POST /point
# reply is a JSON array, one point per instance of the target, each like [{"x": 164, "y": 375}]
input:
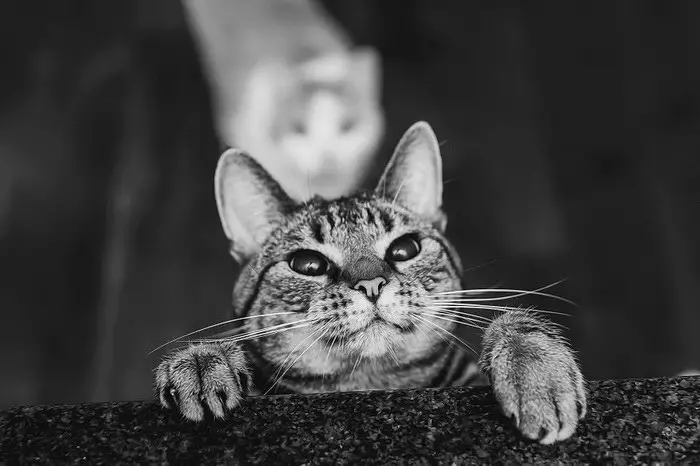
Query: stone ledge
[{"x": 629, "y": 421}]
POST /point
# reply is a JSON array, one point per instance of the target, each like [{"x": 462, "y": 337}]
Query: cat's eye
[
  {"x": 403, "y": 248},
  {"x": 298, "y": 127},
  {"x": 308, "y": 262},
  {"x": 348, "y": 124}
]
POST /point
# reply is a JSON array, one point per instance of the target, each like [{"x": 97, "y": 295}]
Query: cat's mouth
[{"x": 377, "y": 323}]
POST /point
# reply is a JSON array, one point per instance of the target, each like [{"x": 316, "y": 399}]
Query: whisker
[
  {"x": 217, "y": 325},
  {"x": 449, "y": 333},
  {"x": 412, "y": 280},
  {"x": 456, "y": 306},
  {"x": 255, "y": 269},
  {"x": 391, "y": 350},
  {"x": 279, "y": 379},
  {"x": 334, "y": 335},
  {"x": 289, "y": 355},
  {"x": 485, "y": 320},
  {"x": 460, "y": 313},
  {"x": 279, "y": 370},
  {"x": 236, "y": 331},
  {"x": 464, "y": 319},
  {"x": 501, "y": 298},
  {"x": 478, "y": 266},
  {"x": 450, "y": 342},
  {"x": 396, "y": 196},
  {"x": 456, "y": 320},
  {"x": 536, "y": 292},
  {"x": 267, "y": 331},
  {"x": 259, "y": 333},
  {"x": 357, "y": 363},
  {"x": 427, "y": 337}
]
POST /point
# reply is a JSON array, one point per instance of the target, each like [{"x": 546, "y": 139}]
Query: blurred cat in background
[{"x": 288, "y": 86}]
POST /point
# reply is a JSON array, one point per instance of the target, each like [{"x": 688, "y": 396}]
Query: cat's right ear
[
  {"x": 413, "y": 176},
  {"x": 251, "y": 203}
]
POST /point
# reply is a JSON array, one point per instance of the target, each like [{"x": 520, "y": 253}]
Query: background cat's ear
[
  {"x": 413, "y": 177},
  {"x": 366, "y": 71},
  {"x": 251, "y": 204}
]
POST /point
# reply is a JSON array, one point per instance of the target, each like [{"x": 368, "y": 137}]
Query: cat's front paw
[
  {"x": 535, "y": 378},
  {"x": 210, "y": 377}
]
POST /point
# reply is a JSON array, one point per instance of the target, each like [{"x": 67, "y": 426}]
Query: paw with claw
[
  {"x": 211, "y": 377},
  {"x": 535, "y": 377}
]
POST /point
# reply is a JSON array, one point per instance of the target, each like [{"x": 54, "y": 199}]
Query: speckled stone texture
[{"x": 629, "y": 421}]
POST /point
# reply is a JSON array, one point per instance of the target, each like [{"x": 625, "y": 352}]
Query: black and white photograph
[{"x": 349, "y": 232}]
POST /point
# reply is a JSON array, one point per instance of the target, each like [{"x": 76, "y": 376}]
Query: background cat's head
[
  {"x": 317, "y": 123},
  {"x": 356, "y": 274}
]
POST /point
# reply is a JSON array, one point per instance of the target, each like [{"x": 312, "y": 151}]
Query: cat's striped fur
[
  {"x": 365, "y": 225},
  {"x": 354, "y": 294}
]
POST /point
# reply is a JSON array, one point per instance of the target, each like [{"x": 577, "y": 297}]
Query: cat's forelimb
[
  {"x": 212, "y": 376},
  {"x": 535, "y": 376}
]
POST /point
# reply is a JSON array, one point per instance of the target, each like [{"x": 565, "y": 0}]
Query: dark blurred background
[{"x": 571, "y": 141}]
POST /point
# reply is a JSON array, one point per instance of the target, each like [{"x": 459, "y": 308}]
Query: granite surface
[{"x": 629, "y": 421}]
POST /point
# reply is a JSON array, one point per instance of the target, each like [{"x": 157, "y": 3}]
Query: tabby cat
[
  {"x": 362, "y": 293},
  {"x": 290, "y": 89}
]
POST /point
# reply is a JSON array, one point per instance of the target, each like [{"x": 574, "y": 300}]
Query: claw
[
  {"x": 549, "y": 438},
  {"x": 514, "y": 419},
  {"x": 192, "y": 411},
  {"x": 566, "y": 432},
  {"x": 223, "y": 398},
  {"x": 168, "y": 397},
  {"x": 214, "y": 406},
  {"x": 203, "y": 381}
]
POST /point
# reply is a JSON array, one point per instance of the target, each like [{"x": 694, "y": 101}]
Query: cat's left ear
[
  {"x": 413, "y": 177},
  {"x": 251, "y": 203}
]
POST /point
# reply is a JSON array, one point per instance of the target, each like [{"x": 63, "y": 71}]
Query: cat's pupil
[
  {"x": 307, "y": 262},
  {"x": 298, "y": 127},
  {"x": 348, "y": 124},
  {"x": 403, "y": 249}
]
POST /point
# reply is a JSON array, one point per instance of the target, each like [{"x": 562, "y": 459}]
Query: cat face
[
  {"x": 353, "y": 275},
  {"x": 330, "y": 133},
  {"x": 325, "y": 123}
]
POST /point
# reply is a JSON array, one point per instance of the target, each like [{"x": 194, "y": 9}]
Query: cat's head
[
  {"x": 321, "y": 122},
  {"x": 356, "y": 273}
]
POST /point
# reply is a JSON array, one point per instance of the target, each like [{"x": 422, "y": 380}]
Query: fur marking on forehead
[{"x": 347, "y": 222}]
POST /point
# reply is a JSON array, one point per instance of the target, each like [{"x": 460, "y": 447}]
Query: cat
[
  {"x": 350, "y": 294},
  {"x": 291, "y": 90}
]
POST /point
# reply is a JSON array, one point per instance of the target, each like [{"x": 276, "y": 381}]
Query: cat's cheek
[
  {"x": 282, "y": 289},
  {"x": 431, "y": 248},
  {"x": 410, "y": 268}
]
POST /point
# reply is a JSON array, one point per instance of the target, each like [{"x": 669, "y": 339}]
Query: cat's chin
[{"x": 377, "y": 340}]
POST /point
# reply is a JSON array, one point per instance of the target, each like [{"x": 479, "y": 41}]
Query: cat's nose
[{"x": 371, "y": 288}]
